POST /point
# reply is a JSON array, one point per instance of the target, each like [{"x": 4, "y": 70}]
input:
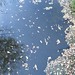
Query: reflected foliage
[
  {"x": 10, "y": 54},
  {"x": 72, "y": 5}
]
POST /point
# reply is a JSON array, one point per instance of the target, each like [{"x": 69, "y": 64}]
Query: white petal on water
[
  {"x": 30, "y": 26},
  {"x": 29, "y": 20},
  {"x": 52, "y": 28},
  {"x": 33, "y": 47},
  {"x": 20, "y": 41},
  {"x": 21, "y": 1},
  {"x": 27, "y": 58},
  {"x": 36, "y": 18},
  {"x": 23, "y": 18},
  {"x": 22, "y": 34},
  {"x": 35, "y": 67},
  {"x": 8, "y": 52},
  {"x": 27, "y": 45},
  {"x": 46, "y": 42},
  {"x": 12, "y": 16},
  {"x": 41, "y": 41},
  {"x": 21, "y": 56},
  {"x": 33, "y": 22},
  {"x": 49, "y": 58},
  {"x": 48, "y": 8},
  {"x": 48, "y": 38},
  {"x": 38, "y": 31},
  {"x": 25, "y": 65},
  {"x": 58, "y": 41},
  {"x": 35, "y": 51},
  {"x": 18, "y": 19},
  {"x": 37, "y": 47},
  {"x": 9, "y": 68},
  {"x": 39, "y": 27},
  {"x": 17, "y": 72},
  {"x": 36, "y": 1},
  {"x": 59, "y": 27},
  {"x": 31, "y": 51}
]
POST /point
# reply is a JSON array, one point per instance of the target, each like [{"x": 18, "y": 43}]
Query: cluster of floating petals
[{"x": 65, "y": 64}]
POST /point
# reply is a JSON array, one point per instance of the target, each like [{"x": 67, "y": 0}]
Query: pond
[{"x": 40, "y": 27}]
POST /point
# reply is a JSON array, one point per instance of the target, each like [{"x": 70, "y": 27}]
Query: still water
[{"x": 40, "y": 30}]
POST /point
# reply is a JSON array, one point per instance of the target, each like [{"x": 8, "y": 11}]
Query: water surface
[{"x": 38, "y": 29}]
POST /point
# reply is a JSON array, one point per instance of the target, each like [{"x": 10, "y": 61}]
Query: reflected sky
[{"x": 40, "y": 30}]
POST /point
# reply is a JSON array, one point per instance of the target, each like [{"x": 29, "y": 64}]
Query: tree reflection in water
[{"x": 11, "y": 54}]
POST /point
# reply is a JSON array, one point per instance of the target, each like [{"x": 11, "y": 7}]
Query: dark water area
[{"x": 38, "y": 30}]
